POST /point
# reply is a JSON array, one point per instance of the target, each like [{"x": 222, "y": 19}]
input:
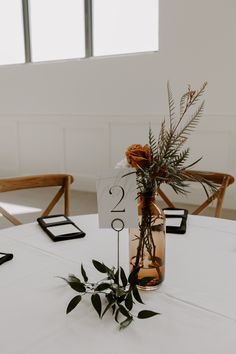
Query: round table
[{"x": 196, "y": 299}]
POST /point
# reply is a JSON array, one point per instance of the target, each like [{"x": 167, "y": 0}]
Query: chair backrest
[
  {"x": 38, "y": 181},
  {"x": 220, "y": 180}
]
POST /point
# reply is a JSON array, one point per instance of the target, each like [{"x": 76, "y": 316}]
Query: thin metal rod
[
  {"x": 26, "y": 25},
  {"x": 88, "y": 22},
  {"x": 118, "y": 229},
  {"x": 118, "y": 251}
]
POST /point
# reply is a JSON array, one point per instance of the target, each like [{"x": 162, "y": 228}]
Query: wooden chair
[
  {"x": 220, "y": 180},
  {"x": 29, "y": 182}
]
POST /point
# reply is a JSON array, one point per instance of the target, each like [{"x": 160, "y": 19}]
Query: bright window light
[
  {"x": 125, "y": 26},
  {"x": 57, "y": 29},
  {"x": 15, "y": 209},
  {"x": 11, "y": 32}
]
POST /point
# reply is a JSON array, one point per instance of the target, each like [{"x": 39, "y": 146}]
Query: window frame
[{"x": 88, "y": 23}]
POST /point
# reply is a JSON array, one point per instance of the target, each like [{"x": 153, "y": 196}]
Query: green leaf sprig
[{"x": 115, "y": 292}]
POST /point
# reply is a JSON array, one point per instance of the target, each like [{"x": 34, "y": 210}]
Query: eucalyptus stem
[{"x": 108, "y": 294}]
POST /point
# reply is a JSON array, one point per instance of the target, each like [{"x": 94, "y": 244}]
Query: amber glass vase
[{"x": 147, "y": 243}]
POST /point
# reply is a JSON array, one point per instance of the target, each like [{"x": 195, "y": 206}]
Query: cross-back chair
[
  {"x": 221, "y": 182},
  {"x": 63, "y": 181}
]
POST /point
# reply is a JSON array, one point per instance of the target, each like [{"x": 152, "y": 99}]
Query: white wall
[{"x": 80, "y": 115}]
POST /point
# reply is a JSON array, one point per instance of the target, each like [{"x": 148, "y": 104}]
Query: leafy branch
[
  {"x": 168, "y": 162},
  {"x": 115, "y": 292}
]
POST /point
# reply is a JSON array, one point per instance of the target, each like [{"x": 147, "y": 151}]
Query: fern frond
[
  {"x": 192, "y": 123},
  {"x": 178, "y": 144},
  {"x": 162, "y": 134},
  {"x": 204, "y": 182},
  {"x": 181, "y": 159},
  {"x": 193, "y": 163},
  {"x": 171, "y": 104},
  {"x": 181, "y": 189},
  {"x": 153, "y": 145},
  {"x": 171, "y": 145},
  {"x": 199, "y": 93},
  {"x": 183, "y": 103},
  {"x": 167, "y": 146}
]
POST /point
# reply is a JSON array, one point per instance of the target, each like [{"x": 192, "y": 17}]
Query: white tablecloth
[{"x": 197, "y": 300}]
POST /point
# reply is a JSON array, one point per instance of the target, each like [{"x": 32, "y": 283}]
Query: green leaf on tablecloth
[
  {"x": 109, "y": 305},
  {"x": 73, "y": 303},
  {"x": 126, "y": 322},
  {"x": 123, "y": 277},
  {"x": 116, "y": 277},
  {"x": 113, "y": 309},
  {"x": 147, "y": 314},
  {"x": 73, "y": 279},
  {"x": 124, "y": 311},
  {"x": 99, "y": 266},
  {"x": 129, "y": 301},
  {"x": 102, "y": 287},
  {"x": 117, "y": 315},
  {"x": 97, "y": 304},
  {"x": 133, "y": 276},
  {"x": 77, "y": 286},
  {"x": 137, "y": 295},
  {"x": 84, "y": 273}
]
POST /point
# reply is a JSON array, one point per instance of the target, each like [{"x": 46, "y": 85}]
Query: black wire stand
[{"x": 118, "y": 225}]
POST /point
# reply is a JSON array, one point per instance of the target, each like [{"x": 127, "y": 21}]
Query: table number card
[{"x": 117, "y": 198}]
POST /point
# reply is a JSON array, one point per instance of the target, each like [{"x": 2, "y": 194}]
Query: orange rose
[{"x": 138, "y": 156}]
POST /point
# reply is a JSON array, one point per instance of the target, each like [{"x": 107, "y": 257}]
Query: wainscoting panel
[
  {"x": 86, "y": 152},
  {"x": 213, "y": 147},
  {"x": 9, "y": 157},
  {"x": 41, "y": 148}
]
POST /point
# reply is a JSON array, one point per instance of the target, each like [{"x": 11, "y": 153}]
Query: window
[
  {"x": 57, "y": 29},
  {"x": 42, "y": 30},
  {"x": 125, "y": 26},
  {"x": 11, "y": 32}
]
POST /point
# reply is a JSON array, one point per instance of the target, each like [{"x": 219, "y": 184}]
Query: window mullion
[
  {"x": 26, "y": 25},
  {"x": 88, "y": 16}
]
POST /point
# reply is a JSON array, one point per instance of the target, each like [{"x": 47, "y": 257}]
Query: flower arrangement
[{"x": 161, "y": 161}]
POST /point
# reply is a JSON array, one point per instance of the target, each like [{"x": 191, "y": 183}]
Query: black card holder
[
  {"x": 4, "y": 257},
  {"x": 170, "y": 214},
  {"x": 60, "y": 228}
]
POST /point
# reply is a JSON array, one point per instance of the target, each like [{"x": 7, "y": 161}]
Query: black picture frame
[
  {"x": 52, "y": 227},
  {"x": 183, "y": 225}
]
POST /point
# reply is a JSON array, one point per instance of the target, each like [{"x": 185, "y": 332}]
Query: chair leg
[
  {"x": 220, "y": 197},
  {"x": 53, "y": 202},
  {"x": 165, "y": 198},
  {"x": 206, "y": 203},
  {"x": 67, "y": 196},
  {"x": 9, "y": 217}
]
